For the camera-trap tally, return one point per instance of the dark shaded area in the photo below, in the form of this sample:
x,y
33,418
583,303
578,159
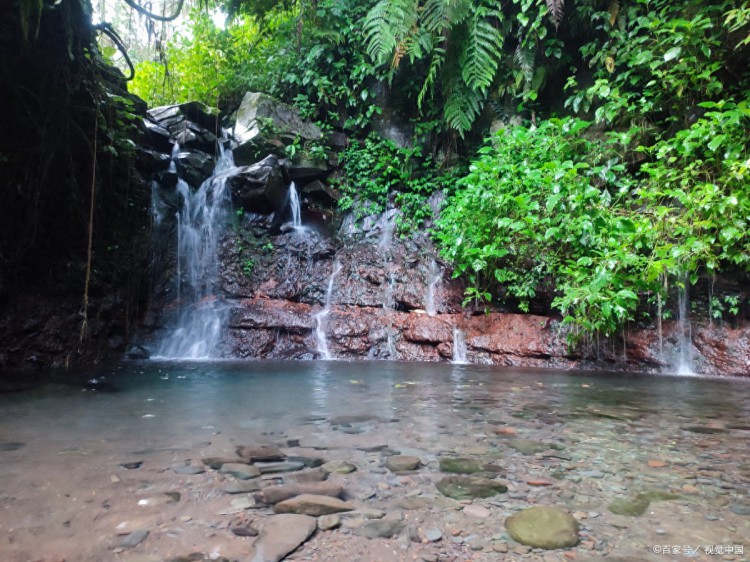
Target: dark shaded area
x,y
67,119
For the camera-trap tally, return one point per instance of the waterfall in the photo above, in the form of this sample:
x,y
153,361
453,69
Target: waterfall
x,y
459,347
320,332
436,275
296,208
388,305
388,293
391,344
684,329
200,224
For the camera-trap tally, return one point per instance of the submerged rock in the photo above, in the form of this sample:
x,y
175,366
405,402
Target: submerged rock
x,y
527,446
283,466
467,466
637,506
241,471
312,504
379,528
402,463
469,487
276,494
543,527
339,467
134,539
280,535
328,522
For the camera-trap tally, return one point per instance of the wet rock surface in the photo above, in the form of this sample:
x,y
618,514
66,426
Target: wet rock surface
x,y
393,298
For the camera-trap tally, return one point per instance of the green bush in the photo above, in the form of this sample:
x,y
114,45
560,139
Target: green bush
x,y
548,209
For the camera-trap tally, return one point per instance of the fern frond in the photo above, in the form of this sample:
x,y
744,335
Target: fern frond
x,y
420,44
524,57
439,15
555,8
438,57
387,25
462,106
482,51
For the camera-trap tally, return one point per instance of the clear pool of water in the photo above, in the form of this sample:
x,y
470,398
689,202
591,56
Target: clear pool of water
x,y
590,438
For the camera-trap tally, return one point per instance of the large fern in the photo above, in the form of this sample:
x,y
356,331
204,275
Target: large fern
x,y
387,25
463,42
439,15
463,104
482,50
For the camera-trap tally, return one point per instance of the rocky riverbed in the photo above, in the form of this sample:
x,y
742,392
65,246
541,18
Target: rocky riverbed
x,y
375,462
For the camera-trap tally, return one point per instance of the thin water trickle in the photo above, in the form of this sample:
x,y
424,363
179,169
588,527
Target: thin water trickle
x,y
320,317
684,330
391,345
295,206
388,302
389,305
387,227
459,347
200,224
436,275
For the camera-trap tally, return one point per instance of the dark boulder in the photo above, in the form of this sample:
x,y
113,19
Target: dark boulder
x,y
260,188
194,167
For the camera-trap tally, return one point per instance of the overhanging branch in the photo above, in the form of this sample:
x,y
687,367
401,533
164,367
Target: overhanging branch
x,y
141,10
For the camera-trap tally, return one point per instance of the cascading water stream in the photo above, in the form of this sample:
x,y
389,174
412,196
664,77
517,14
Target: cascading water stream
x,y
684,330
388,306
295,206
436,275
320,317
200,224
459,347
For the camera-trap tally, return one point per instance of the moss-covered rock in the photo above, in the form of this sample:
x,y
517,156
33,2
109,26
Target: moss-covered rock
x,y
543,527
637,506
470,487
464,465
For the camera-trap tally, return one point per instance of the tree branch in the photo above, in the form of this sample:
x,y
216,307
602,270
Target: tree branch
x,y
153,16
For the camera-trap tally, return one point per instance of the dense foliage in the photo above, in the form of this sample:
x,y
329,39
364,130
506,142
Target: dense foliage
x,y
376,172
607,221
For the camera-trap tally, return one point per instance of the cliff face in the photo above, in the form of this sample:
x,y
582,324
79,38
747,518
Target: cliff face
x,y
359,298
